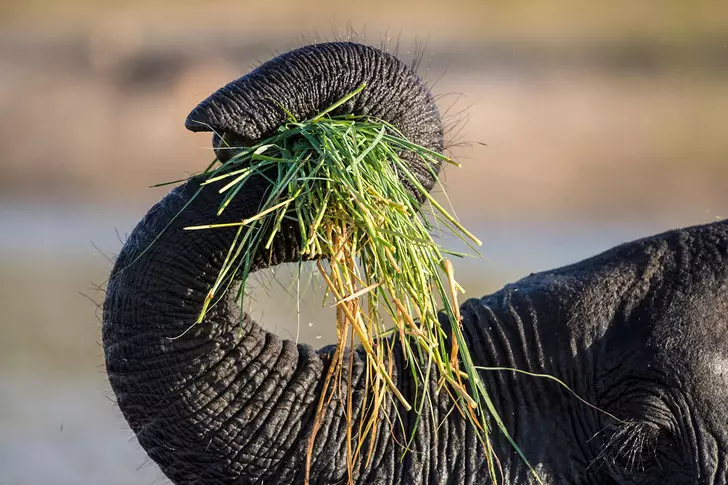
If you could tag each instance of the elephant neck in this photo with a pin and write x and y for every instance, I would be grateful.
(533, 377)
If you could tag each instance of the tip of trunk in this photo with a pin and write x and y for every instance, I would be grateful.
(310, 79)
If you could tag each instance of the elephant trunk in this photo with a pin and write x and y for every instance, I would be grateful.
(224, 401)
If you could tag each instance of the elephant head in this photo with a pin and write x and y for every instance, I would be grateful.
(639, 333)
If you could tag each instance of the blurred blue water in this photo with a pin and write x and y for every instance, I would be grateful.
(64, 229)
(523, 245)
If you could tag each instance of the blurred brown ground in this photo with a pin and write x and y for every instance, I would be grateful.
(612, 111)
(571, 119)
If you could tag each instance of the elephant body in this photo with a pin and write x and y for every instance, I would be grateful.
(639, 333)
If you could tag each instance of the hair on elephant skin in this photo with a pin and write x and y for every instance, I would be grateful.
(640, 332)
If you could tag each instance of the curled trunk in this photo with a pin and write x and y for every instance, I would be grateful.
(225, 401)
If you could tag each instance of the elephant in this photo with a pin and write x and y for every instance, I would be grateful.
(639, 333)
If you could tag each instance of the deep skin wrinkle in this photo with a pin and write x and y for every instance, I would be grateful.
(640, 332)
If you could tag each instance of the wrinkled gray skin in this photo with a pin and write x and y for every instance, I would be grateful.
(639, 331)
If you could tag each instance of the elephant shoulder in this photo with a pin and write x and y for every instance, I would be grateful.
(633, 280)
(682, 260)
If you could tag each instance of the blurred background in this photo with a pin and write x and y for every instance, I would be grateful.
(580, 125)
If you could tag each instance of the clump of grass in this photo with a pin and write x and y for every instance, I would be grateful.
(342, 181)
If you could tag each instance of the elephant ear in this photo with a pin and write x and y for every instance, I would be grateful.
(224, 401)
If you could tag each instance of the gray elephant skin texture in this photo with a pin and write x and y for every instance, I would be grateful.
(639, 332)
